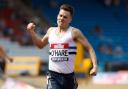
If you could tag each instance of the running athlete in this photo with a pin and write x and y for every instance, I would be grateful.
(62, 40)
(4, 56)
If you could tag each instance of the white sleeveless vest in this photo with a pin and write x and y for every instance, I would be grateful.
(62, 51)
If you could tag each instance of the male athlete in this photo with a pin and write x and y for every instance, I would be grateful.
(62, 40)
(4, 56)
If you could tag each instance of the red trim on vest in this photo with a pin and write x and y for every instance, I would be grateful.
(59, 46)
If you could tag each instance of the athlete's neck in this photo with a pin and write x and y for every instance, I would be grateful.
(61, 29)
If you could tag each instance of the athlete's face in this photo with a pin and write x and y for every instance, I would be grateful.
(64, 18)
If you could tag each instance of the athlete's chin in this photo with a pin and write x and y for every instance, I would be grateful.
(61, 25)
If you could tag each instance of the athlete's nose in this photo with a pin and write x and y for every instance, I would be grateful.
(61, 18)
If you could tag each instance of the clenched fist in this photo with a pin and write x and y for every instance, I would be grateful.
(9, 58)
(31, 27)
(93, 71)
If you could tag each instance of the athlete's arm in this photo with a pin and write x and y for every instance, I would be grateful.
(3, 55)
(40, 43)
(79, 37)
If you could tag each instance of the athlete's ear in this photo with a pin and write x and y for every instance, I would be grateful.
(70, 20)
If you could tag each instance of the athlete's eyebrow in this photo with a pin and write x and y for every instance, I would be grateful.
(63, 16)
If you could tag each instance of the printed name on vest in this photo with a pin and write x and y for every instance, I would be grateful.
(59, 52)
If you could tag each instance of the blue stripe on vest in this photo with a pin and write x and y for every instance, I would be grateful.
(72, 52)
(72, 47)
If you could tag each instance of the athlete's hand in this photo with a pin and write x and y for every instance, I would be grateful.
(10, 59)
(30, 27)
(93, 71)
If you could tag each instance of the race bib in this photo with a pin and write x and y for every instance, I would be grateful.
(59, 52)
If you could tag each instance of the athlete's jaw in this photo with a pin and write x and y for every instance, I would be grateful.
(62, 24)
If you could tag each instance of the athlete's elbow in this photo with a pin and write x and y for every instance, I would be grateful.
(88, 47)
(39, 46)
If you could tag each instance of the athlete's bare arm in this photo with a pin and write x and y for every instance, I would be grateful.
(40, 43)
(3, 55)
(78, 36)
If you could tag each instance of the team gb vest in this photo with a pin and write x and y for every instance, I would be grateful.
(62, 51)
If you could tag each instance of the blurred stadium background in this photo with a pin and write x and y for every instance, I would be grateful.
(103, 22)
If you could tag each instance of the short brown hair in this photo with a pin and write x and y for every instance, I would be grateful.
(68, 8)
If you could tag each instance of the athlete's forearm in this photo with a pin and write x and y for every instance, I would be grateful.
(93, 57)
(4, 56)
(36, 40)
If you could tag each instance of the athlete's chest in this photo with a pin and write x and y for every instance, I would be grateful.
(60, 38)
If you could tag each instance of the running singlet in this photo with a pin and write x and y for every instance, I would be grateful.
(62, 51)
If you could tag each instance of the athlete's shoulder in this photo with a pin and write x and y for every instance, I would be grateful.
(50, 29)
(75, 30)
